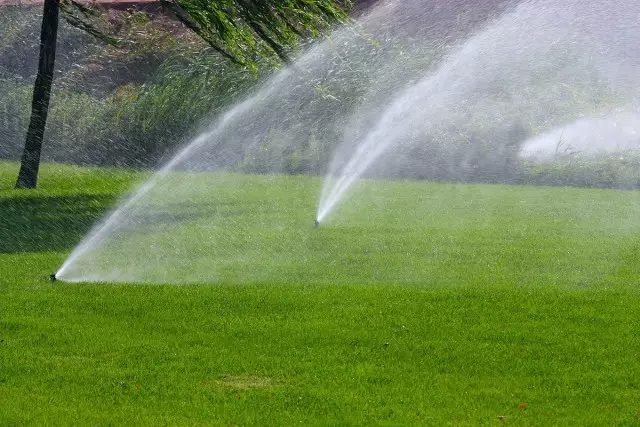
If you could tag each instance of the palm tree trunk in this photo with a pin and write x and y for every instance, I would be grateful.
(30, 162)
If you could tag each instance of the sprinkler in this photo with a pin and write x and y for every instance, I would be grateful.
(316, 223)
(53, 277)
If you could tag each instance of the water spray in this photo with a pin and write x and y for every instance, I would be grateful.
(426, 101)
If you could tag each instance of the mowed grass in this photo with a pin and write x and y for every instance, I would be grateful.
(425, 304)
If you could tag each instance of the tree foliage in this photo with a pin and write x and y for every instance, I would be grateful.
(245, 30)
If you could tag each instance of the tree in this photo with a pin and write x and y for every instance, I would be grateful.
(240, 30)
(30, 162)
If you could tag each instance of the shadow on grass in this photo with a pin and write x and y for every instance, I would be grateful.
(43, 224)
(46, 224)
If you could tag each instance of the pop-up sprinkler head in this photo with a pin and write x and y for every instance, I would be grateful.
(316, 223)
(53, 277)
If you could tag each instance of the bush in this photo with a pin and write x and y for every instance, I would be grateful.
(621, 170)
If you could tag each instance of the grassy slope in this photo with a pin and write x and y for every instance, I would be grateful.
(530, 296)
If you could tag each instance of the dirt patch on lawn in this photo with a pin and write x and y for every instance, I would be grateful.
(244, 382)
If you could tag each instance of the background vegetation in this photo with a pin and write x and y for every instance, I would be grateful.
(115, 105)
(134, 104)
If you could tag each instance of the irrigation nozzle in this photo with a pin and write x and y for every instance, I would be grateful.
(53, 277)
(316, 223)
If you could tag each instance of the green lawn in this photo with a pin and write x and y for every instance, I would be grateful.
(419, 303)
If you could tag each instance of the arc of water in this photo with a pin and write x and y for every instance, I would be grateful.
(367, 152)
(102, 230)
(370, 149)
(384, 135)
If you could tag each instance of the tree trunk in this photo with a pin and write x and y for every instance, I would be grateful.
(30, 162)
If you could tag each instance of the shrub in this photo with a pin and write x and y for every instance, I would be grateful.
(620, 170)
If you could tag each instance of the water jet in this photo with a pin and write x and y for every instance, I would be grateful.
(433, 97)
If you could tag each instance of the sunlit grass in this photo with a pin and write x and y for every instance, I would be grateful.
(429, 304)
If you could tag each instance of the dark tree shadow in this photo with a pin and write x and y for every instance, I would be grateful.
(43, 224)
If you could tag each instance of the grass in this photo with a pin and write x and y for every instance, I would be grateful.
(426, 304)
